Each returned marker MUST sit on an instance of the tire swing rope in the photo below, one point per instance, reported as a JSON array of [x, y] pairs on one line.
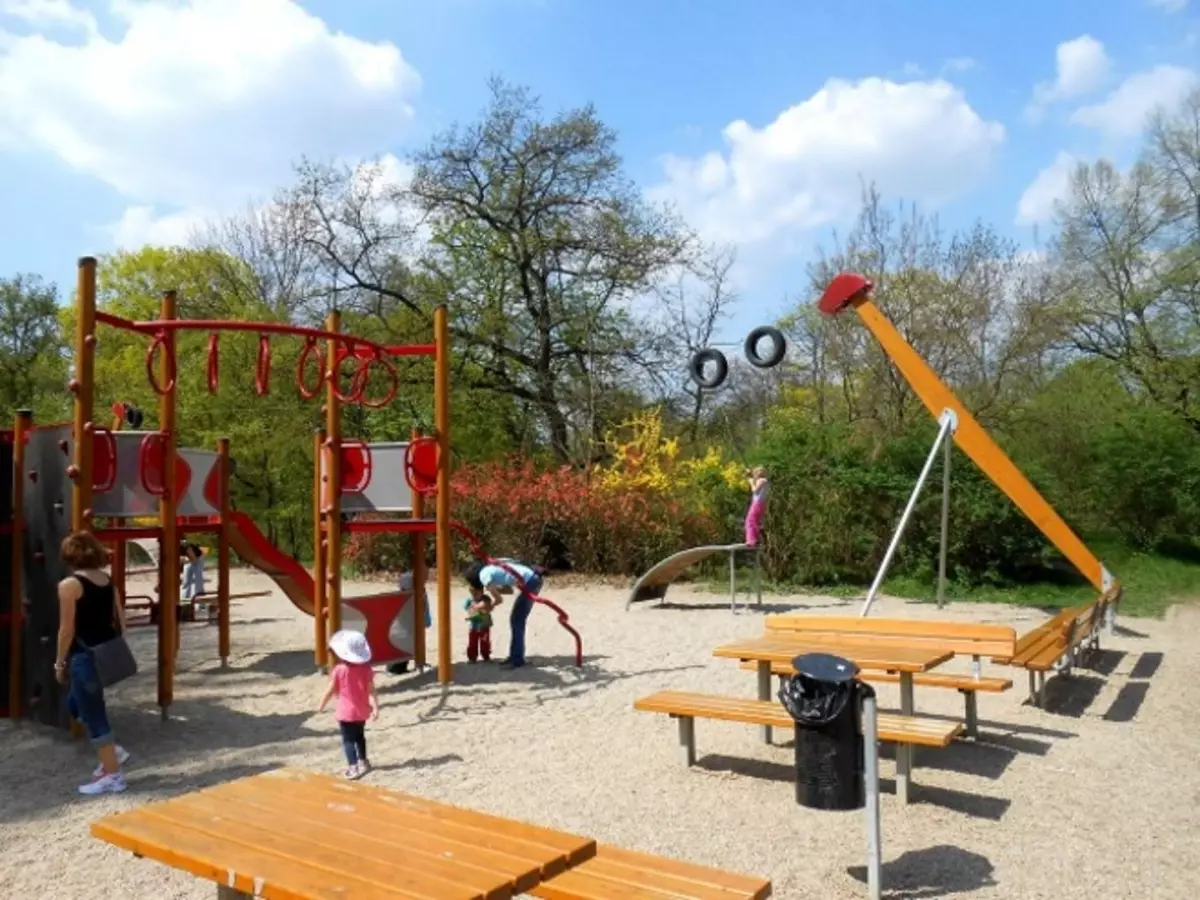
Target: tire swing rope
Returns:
[[701, 358]]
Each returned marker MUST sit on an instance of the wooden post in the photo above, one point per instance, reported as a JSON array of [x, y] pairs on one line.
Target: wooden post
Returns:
[[419, 574], [120, 560], [16, 593], [223, 551], [333, 469], [320, 574], [83, 387], [168, 586], [441, 418]]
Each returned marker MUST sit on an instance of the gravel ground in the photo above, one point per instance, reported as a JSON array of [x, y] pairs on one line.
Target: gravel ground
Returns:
[[1095, 796]]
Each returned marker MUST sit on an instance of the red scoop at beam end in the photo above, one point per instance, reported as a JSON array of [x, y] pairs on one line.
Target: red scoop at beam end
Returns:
[[843, 291]]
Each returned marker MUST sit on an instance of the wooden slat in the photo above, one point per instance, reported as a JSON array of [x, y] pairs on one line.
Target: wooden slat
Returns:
[[781, 648], [228, 863], [412, 833], [924, 679], [322, 842], [390, 808], [946, 680], [892, 728], [615, 872], [959, 637]]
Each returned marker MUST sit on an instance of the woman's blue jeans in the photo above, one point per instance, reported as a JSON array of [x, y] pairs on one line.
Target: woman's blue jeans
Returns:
[[517, 620], [85, 698]]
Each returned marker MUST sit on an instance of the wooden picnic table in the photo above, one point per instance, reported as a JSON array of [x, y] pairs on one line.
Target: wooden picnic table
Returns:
[[889, 656], [289, 834]]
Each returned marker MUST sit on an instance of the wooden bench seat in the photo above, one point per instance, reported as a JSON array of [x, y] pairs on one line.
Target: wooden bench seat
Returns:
[[615, 872], [966, 684], [686, 707], [1059, 642]]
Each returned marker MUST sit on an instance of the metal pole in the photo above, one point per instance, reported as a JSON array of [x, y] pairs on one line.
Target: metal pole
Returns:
[[168, 559], [870, 728], [945, 541], [948, 421], [732, 580], [758, 573]]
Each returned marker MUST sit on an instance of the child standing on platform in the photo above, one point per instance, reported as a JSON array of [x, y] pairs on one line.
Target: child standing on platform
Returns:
[[352, 681], [758, 504]]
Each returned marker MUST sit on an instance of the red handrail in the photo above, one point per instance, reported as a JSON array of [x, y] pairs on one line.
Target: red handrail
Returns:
[[563, 619]]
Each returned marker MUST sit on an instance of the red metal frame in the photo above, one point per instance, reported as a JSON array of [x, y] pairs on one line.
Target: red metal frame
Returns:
[[153, 328]]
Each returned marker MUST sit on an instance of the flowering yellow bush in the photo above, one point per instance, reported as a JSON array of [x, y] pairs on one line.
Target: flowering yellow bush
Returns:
[[649, 463]]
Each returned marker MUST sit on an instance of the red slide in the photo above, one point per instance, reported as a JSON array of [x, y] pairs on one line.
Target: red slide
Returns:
[[252, 545]]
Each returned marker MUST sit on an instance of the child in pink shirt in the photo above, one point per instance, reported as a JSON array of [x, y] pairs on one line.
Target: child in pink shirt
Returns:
[[352, 681]]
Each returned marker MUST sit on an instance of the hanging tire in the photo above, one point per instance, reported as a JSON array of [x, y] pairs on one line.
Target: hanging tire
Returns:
[[696, 368], [778, 347]]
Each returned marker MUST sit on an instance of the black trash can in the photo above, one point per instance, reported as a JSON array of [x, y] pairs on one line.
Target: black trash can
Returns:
[[825, 699]]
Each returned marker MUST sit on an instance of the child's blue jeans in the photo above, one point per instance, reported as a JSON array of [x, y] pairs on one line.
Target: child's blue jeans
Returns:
[[354, 741]]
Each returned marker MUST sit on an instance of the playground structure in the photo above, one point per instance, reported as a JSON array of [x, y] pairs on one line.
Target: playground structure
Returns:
[[110, 478], [955, 421]]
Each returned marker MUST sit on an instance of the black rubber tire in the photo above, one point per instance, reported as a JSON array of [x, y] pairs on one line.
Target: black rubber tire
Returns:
[[778, 347], [696, 368]]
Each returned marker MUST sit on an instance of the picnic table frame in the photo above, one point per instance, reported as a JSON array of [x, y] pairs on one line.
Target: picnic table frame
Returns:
[[289, 834]]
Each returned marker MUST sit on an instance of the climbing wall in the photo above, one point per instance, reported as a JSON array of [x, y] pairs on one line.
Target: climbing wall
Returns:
[[6, 599], [47, 511]]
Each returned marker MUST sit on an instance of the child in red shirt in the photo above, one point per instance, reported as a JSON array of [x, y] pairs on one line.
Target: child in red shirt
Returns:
[[352, 681]]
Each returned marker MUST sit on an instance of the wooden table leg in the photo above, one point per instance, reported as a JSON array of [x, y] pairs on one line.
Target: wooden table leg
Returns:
[[904, 752], [764, 693]]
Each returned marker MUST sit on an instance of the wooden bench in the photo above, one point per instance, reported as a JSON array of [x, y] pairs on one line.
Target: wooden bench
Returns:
[[1059, 642], [614, 872], [961, 638], [686, 707], [967, 685]]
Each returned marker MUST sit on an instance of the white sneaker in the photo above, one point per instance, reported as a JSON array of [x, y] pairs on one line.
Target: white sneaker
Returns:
[[122, 758], [107, 784]]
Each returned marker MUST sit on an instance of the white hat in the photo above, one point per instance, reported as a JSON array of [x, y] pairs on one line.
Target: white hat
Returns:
[[351, 646]]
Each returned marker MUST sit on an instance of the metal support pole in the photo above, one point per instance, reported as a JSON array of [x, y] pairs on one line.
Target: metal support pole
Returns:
[[870, 728], [948, 421], [733, 579], [758, 573], [948, 448]]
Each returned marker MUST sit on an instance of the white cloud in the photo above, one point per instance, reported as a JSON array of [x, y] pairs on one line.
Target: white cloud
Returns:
[[920, 140], [48, 14], [1081, 65], [1168, 6], [381, 179], [959, 64], [1050, 185], [1124, 112], [196, 105]]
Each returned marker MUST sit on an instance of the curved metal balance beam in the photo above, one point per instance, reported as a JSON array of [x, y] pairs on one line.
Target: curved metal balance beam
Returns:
[[654, 583]]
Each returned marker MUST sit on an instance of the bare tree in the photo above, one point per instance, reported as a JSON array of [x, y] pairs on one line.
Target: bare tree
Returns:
[[693, 300]]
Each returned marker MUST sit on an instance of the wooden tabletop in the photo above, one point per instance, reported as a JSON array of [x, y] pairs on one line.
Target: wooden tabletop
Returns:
[[295, 835], [890, 656]]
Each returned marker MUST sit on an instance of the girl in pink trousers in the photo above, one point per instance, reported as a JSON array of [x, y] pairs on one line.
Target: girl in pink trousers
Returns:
[[352, 681], [758, 504]]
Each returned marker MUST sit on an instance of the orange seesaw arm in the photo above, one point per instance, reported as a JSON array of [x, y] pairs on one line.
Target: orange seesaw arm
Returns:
[[849, 289]]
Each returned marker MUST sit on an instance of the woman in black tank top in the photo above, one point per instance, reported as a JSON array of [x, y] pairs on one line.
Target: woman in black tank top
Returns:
[[89, 614]]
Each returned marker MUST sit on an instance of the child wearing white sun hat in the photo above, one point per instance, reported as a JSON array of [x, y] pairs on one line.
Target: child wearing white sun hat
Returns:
[[352, 681]]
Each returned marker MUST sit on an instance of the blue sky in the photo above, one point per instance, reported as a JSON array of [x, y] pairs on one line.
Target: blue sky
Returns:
[[116, 117]]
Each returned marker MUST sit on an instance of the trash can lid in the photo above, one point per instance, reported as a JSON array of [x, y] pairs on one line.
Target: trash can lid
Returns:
[[825, 667]]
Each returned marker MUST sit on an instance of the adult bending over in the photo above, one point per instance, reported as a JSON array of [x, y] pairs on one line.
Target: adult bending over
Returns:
[[493, 578], [89, 615]]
